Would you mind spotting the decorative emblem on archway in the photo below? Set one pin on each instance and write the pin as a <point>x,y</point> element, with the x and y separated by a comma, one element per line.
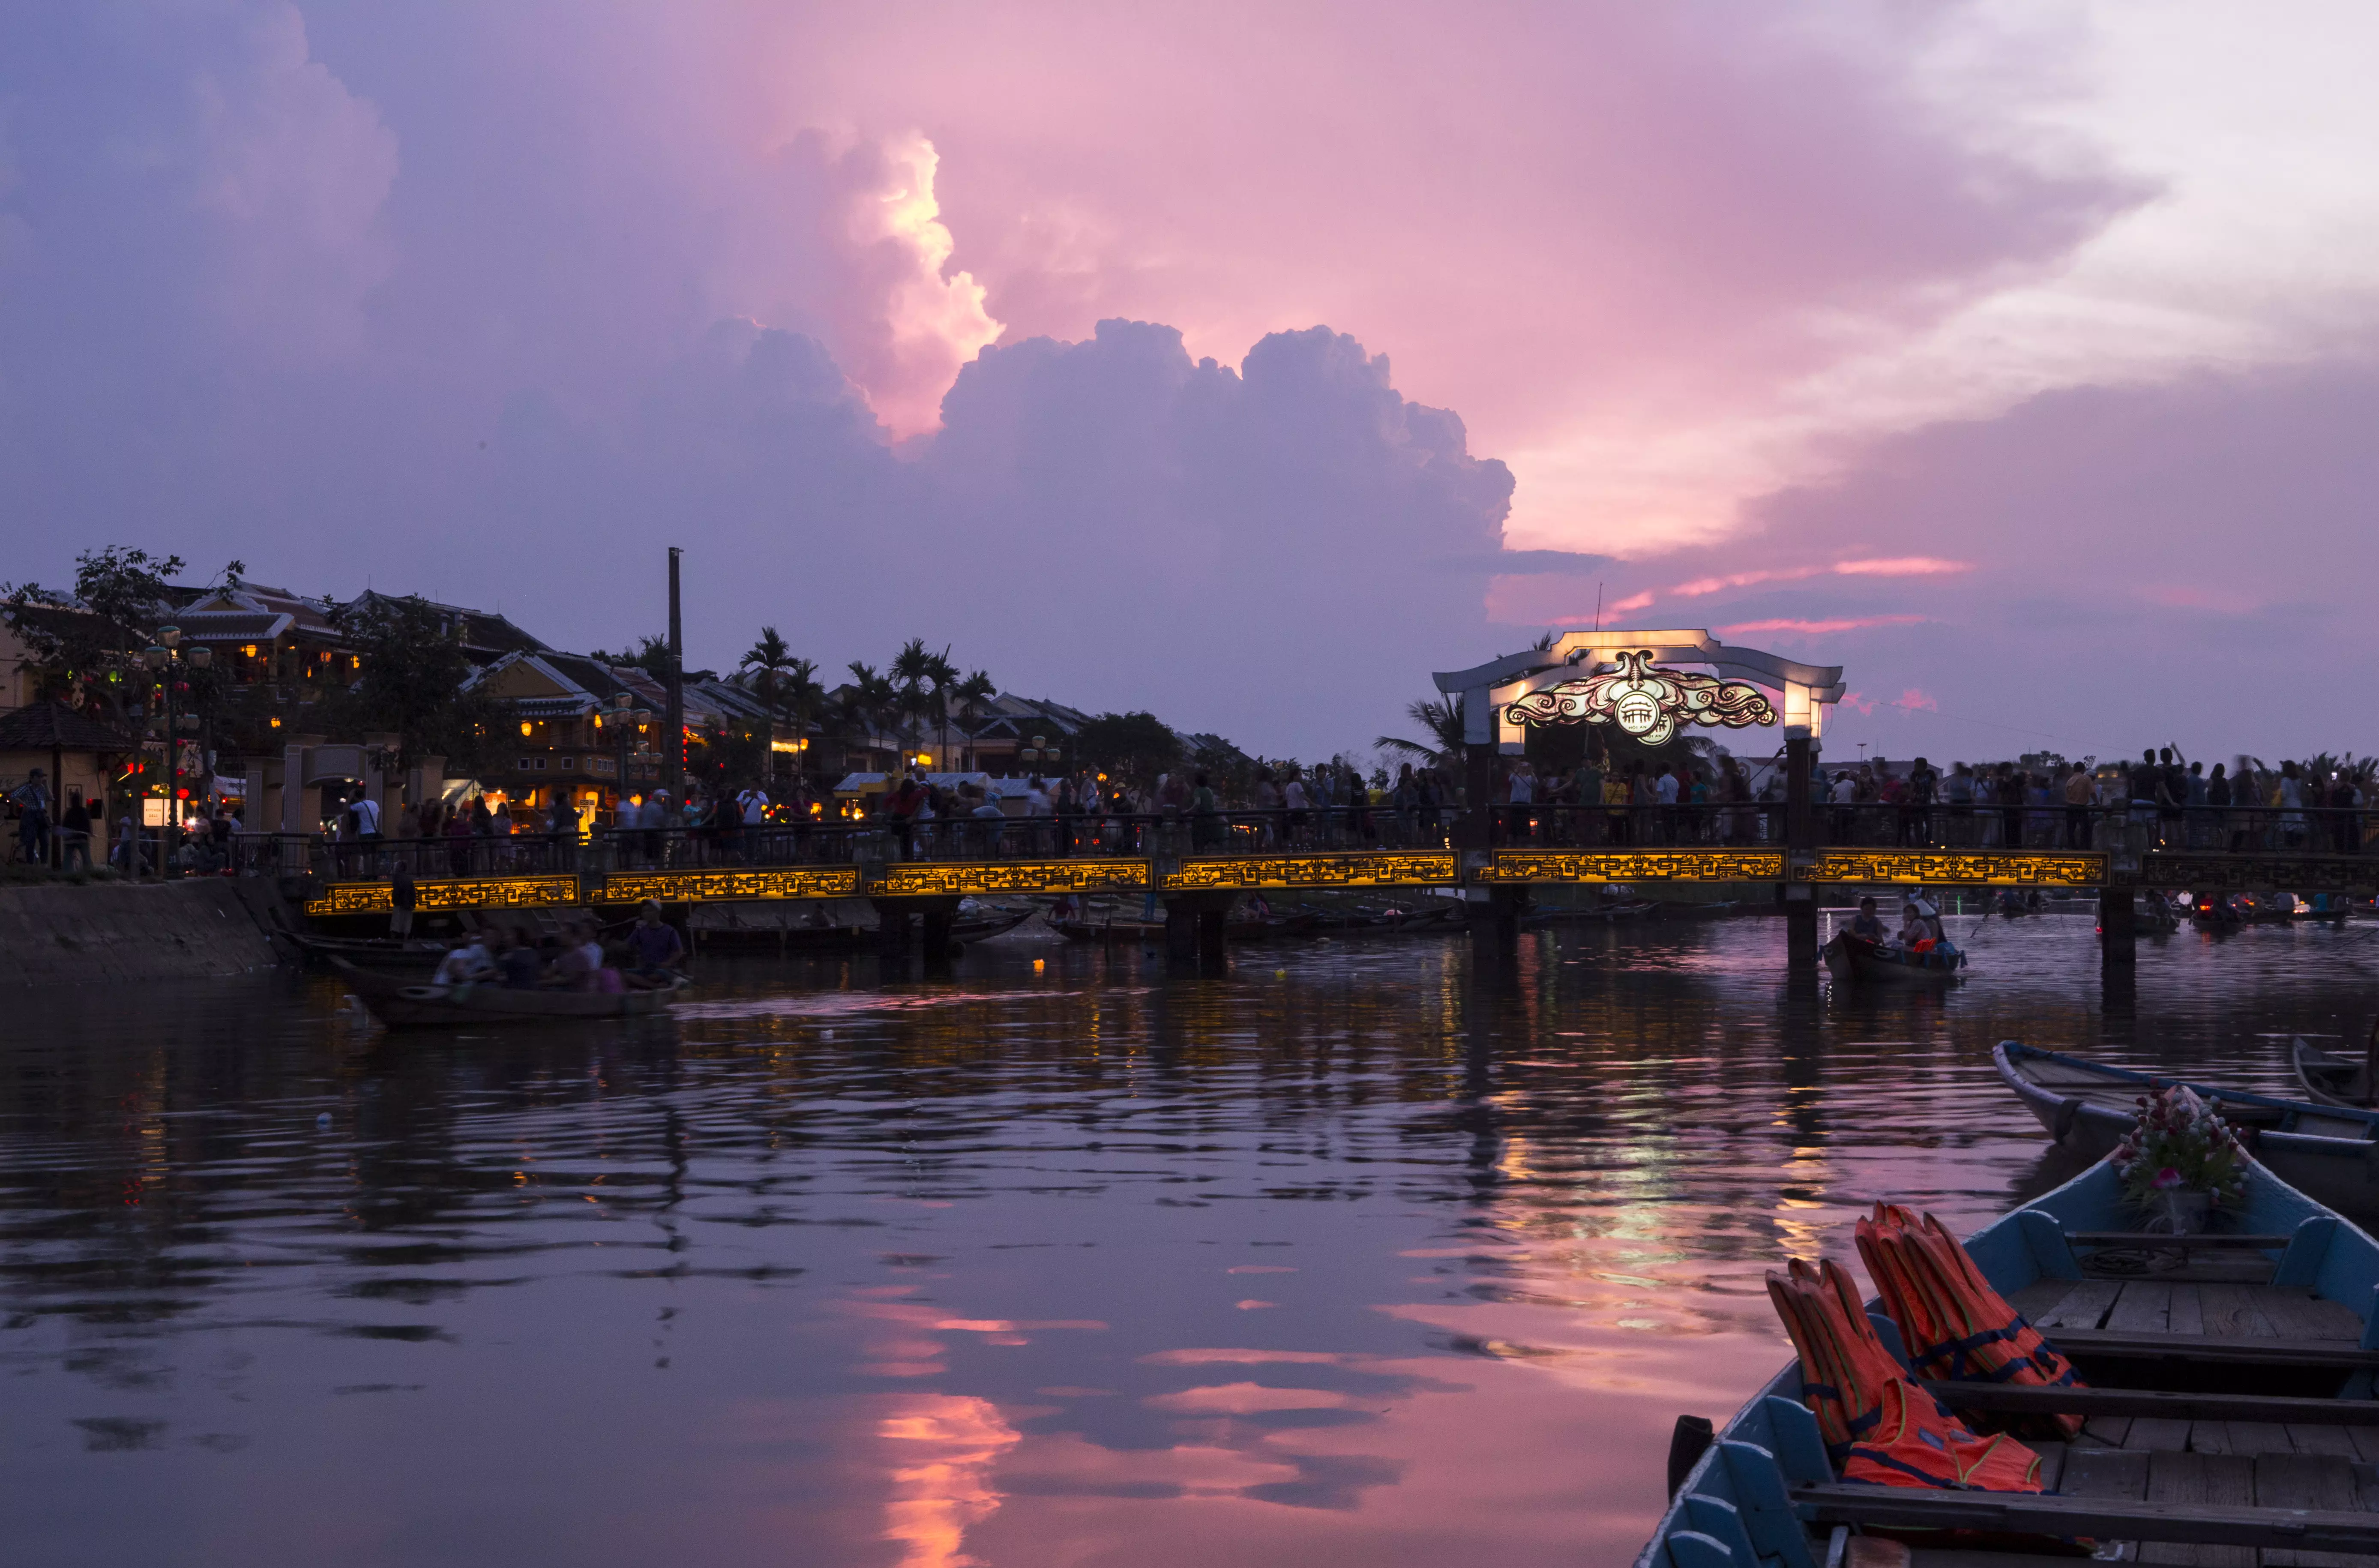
<point>1648,702</point>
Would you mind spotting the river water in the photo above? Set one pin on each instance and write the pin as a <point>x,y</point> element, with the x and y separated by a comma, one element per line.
<point>1346,1255</point>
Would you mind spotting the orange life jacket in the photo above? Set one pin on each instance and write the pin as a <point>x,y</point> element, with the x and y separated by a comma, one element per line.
<point>1879,1426</point>
<point>1954,1325</point>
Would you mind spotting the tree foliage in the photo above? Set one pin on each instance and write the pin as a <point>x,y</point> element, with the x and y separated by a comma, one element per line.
<point>1440,721</point>
<point>410,684</point>
<point>1128,745</point>
<point>125,595</point>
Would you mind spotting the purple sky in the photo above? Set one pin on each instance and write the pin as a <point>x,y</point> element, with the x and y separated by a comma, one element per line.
<point>2017,358</point>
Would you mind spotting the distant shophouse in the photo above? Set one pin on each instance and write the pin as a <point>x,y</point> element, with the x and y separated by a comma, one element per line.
<point>593,733</point>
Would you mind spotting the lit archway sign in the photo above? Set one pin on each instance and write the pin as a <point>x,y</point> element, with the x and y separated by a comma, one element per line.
<point>1647,703</point>
<point>1630,679</point>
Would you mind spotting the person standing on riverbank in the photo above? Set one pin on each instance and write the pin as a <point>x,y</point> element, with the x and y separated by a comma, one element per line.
<point>402,898</point>
<point>32,799</point>
<point>74,835</point>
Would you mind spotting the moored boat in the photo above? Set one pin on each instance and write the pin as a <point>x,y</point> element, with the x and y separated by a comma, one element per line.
<point>2331,1151</point>
<point>2332,1078</point>
<point>368,952</point>
<point>1853,957</point>
<point>402,1005</point>
<point>1264,928</point>
<point>2222,1403</point>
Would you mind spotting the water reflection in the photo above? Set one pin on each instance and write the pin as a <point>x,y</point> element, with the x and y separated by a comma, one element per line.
<point>1061,1256</point>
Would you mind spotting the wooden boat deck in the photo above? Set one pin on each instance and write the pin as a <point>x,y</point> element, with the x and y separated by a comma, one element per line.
<point>2160,1460</point>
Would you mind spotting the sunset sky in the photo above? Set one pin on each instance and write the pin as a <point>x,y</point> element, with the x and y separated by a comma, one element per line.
<point>1244,363</point>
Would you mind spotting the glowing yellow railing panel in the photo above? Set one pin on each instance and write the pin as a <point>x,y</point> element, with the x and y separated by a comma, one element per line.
<point>450,893</point>
<point>711,887</point>
<point>2002,868</point>
<point>1371,868</point>
<point>1634,865</point>
<point>943,878</point>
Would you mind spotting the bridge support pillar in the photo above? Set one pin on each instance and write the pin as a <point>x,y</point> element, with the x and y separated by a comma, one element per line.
<point>2118,928</point>
<point>1194,924</point>
<point>1800,924</point>
<point>895,925</point>
<point>1211,935</point>
<point>938,915</point>
<point>1800,844</point>
<point>1496,923</point>
<point>1180,930</point>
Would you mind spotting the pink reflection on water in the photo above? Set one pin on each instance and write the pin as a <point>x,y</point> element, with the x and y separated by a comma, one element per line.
<point>942,1450</point>
<point>1246,1399</point>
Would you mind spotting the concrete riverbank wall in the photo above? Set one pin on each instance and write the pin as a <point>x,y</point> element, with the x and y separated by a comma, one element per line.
<point>107,935</point>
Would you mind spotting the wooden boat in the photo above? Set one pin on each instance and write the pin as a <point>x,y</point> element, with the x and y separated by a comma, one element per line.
<point>370,952</point>
<point>1585,914</point>
<point>847,938</point>
<point>2332,1078</point>
<point>1850,958</point>
<point>1261,929</point>
<point>2245,1373</point>
<point>402,1005</point>
<point>2330,1152</point>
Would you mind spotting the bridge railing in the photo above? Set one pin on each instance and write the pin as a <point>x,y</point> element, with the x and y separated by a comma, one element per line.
<point>2328,830</point>
<point>2120,830</point>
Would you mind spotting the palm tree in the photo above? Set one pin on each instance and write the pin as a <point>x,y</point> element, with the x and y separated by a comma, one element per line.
<point>1442,721</point>
<point>800,690</point>
<point>945,675</point>
<point>763,666</point>
<point>911,668</point>
<point>873,705</point>
<point>971,694</point>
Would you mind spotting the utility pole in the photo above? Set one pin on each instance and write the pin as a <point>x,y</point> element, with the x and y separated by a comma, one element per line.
<point>674,759</point>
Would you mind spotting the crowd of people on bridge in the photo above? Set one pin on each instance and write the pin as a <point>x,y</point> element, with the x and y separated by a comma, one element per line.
<point>1686,798</point>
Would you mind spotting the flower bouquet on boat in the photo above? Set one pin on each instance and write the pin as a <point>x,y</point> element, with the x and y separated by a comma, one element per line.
<point>2103,1372</point>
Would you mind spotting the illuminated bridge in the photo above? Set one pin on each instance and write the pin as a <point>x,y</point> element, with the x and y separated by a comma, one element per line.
<point>1637,684</point>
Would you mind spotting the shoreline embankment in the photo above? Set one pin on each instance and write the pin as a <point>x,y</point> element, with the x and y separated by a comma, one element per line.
<point>58,935</point>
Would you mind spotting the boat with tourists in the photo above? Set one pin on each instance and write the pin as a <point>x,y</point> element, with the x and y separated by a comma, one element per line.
<point>2066,1383</point>
<point>2329,1150</point>
<point>1849,956</point>
<point>402,1003</point>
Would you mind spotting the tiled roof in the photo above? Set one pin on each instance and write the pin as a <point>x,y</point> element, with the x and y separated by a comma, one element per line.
<point>52,726</point>
<point>233,625</point>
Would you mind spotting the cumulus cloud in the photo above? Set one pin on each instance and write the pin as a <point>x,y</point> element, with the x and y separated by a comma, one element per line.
<point>193,172</point>
<point>869,269</point>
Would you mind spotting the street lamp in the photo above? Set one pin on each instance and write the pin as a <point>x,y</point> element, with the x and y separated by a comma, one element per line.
<point>162,658</point>
<point>623,716</point>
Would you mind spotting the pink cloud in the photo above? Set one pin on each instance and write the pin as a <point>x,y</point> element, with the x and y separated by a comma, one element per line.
<point>1903,566</point>
<point>1701,585</point>
<point>1914,699</point>
<point>1820,628</point>
<point>2182,596</point>
<point>1852,701</point>
<point>1203,1356</point>
<point>1629,604</point>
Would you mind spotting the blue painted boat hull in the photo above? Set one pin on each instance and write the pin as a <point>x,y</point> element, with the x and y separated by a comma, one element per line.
<point>1735,1486</point>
